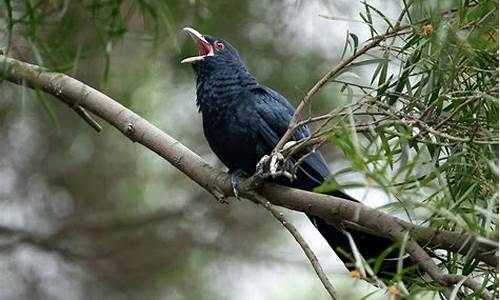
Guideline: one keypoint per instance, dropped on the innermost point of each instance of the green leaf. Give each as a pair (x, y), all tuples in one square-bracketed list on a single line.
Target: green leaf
[(369, 62), (369, 20), (355, 41), (346, 44)]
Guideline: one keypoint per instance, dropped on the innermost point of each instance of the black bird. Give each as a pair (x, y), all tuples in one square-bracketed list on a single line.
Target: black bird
[(244, 120)]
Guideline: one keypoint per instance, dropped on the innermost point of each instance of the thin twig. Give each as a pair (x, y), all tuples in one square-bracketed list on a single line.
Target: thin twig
[(471, 284), (326, 78), (424, 260), (457, 109), (87, 118), (303, 244)]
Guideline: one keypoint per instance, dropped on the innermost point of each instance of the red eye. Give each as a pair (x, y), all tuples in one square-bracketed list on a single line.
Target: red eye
[(219, 45)]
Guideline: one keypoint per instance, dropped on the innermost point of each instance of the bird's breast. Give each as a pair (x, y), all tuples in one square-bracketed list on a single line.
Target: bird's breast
[(232, 137)]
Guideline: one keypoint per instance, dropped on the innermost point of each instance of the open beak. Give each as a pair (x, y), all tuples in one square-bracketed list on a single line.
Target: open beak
[(204, 47)]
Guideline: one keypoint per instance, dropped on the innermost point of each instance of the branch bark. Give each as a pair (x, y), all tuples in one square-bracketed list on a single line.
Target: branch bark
[(332, 209)]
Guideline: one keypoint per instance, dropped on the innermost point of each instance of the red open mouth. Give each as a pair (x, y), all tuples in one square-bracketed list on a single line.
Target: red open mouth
[(204, 47)]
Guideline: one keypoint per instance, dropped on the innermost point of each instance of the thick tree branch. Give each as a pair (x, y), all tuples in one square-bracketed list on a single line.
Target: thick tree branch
[(337, 210), (332, 209)]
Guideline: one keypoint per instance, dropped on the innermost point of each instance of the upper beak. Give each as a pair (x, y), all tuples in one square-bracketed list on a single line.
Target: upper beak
[(204, 47)]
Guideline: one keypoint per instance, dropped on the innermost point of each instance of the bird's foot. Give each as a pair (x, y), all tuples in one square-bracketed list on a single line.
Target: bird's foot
[(274, 165), (236, 178), (260, 169)]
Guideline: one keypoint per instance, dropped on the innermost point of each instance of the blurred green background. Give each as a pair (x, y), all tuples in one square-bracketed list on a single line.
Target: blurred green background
[(98, 217)]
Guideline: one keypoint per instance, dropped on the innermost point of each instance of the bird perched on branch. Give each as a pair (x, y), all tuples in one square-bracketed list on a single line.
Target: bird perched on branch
[(244, 120)]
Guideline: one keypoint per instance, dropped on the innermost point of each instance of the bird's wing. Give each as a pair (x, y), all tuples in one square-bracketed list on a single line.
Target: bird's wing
[(275, 113)]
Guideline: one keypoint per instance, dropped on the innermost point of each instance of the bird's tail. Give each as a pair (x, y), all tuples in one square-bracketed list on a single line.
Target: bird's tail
[(369, 246)]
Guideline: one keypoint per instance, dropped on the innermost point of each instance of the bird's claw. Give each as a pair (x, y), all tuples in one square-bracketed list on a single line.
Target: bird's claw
[(235, 181), (277, 161), (274, 165), (260, 169)]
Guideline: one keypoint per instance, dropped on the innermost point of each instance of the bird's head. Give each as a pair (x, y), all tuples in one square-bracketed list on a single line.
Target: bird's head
[(212, 52)]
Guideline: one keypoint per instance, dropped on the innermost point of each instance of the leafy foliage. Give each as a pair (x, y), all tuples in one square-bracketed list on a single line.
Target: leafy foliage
[(426, 128), (46, 25)]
